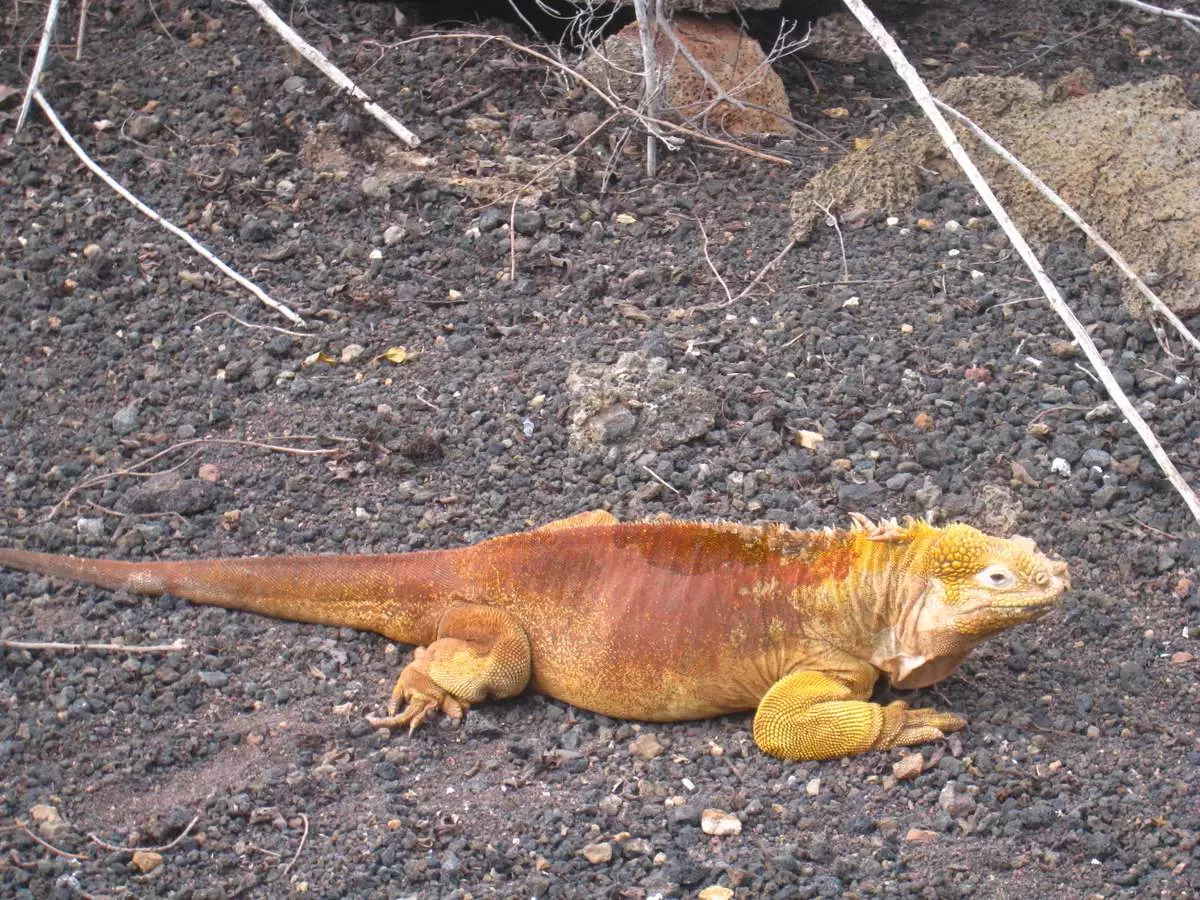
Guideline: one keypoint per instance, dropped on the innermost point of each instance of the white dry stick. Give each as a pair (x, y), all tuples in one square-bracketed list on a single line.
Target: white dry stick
[(1069, 211), (925, 99), (39, 63), (1189, 18), (145, 210), (332, 72), (59, 646), (651, 75)]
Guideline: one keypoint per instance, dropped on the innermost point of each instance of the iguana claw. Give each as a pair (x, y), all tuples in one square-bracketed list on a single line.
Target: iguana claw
[(421, 695)]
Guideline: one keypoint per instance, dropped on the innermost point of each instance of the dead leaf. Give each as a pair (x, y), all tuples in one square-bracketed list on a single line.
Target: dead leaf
[(625, 219), (836, 112), (399, 355), (319, 357)]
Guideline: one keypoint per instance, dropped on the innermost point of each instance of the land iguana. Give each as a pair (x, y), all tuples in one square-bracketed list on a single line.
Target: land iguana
[(658, 620)]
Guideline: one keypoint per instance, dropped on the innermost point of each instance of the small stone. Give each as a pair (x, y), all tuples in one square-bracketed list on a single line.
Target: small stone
[(1060, 466), (923, 422), (91, 251), (978, 375), (813, 787), (1064, 349), (953, 226), (352, 352), (809, 440), (598, 853), (393, 235), (926, 224), (254, 230), (126, 419), (1094, 456), (645, 746), (90, 529), (375, 188), (905, 328), (851, 303), (1181, 658), (955, 801), (146, 860), (1093, 732), (719, 823), (920, 836), (1182, 588), (892, 221), (908, 767), (715, 892), (285, 189), (142, 128), (636, 847)]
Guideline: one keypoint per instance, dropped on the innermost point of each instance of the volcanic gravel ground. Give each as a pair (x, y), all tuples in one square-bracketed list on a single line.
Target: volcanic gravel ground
[(941, 383)]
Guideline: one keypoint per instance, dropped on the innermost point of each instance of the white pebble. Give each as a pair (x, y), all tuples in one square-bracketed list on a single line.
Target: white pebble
[(1061, 467), (952, 226)]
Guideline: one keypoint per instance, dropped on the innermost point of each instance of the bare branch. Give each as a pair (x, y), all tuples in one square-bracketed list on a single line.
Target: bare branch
[(149, 213), (924, 98), (59, 646), (1067, 210), (332, 72)]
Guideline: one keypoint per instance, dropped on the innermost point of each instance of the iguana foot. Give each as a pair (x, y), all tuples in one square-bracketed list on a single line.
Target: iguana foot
[(421, 696), (916, 726), (480, 652)]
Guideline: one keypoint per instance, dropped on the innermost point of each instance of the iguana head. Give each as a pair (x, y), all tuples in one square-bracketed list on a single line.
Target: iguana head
[(966, 585)]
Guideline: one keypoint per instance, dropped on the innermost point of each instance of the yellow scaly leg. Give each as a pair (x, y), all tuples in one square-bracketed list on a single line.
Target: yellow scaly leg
[(814, 715), (480, 652)]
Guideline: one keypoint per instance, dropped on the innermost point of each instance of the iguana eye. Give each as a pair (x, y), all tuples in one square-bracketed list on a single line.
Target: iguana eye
[(997, 576)]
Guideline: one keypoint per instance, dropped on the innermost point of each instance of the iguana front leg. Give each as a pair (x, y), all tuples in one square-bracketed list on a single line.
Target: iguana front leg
[(480, 652), (810, 714)]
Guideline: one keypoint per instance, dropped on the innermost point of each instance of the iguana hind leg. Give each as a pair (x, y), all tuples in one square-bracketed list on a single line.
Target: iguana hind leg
[(815, 715), (480, 652)]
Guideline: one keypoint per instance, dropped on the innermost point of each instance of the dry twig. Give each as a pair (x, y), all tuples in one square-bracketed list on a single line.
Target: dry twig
[(925, 100), (39, 63), (133, 470), (145, 210), (332, 72), (118, 849), (63, 853), (300, 849), (59, 646), (229, 315), (1190, 19), (1069, 211)]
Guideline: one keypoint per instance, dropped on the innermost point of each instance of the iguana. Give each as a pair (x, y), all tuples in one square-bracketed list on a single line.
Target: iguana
[(658, 620)]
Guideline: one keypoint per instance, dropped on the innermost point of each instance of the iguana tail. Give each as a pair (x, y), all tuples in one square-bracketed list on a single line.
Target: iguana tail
[(399, 595)]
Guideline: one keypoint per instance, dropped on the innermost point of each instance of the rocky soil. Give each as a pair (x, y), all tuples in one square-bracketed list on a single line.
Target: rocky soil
[(914, 346)]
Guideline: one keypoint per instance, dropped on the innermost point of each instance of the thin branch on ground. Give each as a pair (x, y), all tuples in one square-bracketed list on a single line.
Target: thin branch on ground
[(39, 63), (670, 487), (61, 647), (229, 315), (145, 210), (1066, 209), (299, 849), (831, 220), (469, 101), (119, 849), (925, 100), (134, 469), (711, 264), (1187, 17), (332, 72), (771, 264), (57, 852), (81, 29)]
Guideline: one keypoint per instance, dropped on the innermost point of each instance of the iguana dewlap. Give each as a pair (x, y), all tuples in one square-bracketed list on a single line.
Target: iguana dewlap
[(662, 620)]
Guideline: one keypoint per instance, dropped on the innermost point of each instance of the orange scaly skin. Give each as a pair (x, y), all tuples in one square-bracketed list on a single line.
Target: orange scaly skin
[(661, 621)]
